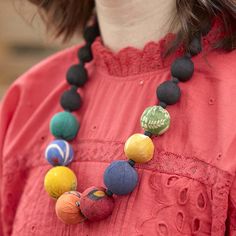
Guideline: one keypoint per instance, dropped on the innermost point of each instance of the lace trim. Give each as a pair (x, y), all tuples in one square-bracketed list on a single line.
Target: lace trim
[(217, 181), (131, 60)]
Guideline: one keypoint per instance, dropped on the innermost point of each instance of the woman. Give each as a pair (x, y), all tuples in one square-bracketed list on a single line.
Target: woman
[(180, 177)]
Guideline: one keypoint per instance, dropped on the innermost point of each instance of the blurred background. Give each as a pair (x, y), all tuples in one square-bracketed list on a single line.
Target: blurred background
[(23, 40)]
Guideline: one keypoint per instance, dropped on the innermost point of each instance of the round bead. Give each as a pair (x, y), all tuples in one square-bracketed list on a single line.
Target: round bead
[(64, 125), (85, 54), (91, 32), (68, 208), (195, 46), (139, 148), (59, 153), (168, 92), (77, 75), (120, 178), (59, 180), (155, 119), (71, 100), (182, 68), (95, 204)]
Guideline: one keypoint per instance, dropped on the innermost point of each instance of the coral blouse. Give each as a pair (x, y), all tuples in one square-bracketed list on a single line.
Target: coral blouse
[(188, 188)]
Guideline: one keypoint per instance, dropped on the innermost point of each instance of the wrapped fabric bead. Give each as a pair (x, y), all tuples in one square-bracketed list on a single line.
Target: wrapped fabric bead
[(168, 92), (139, 148), (91, 32), (95, 204), (182, 68), (195, 46), (155, 119), (77, 75), (85, 54), (59, 153), (120, 177), (71, 100), (64, 125), (68, 208), (59, 180)]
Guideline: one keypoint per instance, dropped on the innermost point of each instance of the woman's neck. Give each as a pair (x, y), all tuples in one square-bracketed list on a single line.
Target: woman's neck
[(133, 23)]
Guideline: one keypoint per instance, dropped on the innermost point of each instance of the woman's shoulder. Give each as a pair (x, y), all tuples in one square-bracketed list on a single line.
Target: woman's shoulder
[(41, 78)]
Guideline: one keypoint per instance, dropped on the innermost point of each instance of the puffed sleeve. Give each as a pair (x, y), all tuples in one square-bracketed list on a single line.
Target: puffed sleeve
[(8, 106)]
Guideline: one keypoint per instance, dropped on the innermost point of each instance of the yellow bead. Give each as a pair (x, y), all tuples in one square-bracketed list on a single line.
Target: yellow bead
[(59, 180), (139, 148)]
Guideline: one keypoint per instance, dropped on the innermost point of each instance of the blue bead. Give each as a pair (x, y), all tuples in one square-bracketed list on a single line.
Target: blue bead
[(120, 177), (59, 153), (64, 125)]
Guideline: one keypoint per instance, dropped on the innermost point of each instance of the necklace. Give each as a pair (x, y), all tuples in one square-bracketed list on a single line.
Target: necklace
[(120, 177)]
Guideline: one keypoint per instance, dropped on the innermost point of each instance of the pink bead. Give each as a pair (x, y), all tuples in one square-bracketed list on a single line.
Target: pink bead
[(95, 204)]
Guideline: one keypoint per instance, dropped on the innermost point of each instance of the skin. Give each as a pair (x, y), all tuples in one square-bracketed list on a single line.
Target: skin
[(133, 23)]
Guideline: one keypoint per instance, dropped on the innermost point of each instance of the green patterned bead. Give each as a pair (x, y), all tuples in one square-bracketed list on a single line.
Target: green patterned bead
[(64, 125), (155, 119)]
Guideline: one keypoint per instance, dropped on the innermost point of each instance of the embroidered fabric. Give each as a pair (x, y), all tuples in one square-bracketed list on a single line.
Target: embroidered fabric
[(179, 185), (130, 60)]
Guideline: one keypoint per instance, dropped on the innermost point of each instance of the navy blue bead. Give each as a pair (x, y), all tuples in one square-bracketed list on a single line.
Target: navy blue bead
[(195, 46), (147, 133), (120, 177), (168, 92), (71, 100), (131, 162), (91, 32), (77, 75), (182, 68), (85, 54)]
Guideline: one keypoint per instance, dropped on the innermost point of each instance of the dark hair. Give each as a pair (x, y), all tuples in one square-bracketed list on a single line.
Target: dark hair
[(71, 16)]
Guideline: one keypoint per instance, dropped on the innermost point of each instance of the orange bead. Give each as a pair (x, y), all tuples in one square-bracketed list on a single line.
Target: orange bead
[(68, 208), (139, 148)]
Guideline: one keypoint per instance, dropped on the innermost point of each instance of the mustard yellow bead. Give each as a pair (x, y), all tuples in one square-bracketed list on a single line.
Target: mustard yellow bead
[(139, 148), (59, 180)]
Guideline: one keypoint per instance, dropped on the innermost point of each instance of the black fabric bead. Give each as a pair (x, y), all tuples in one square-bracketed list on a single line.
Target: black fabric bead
[(77, 75), (147, 133), (182, 68), (91, 32), (168, 92), (175, 80), (131, 162), (162, 104), (195, 46), (109, 192), (85, 54), (71, 100)]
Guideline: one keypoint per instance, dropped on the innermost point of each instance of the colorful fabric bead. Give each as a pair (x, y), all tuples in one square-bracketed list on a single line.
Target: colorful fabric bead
[(155, 119), (68, 208), (64, 125), (168, 92), (59, 180), (182, 68), (59, 153), (95, 204), (120, 177), (139, 148)]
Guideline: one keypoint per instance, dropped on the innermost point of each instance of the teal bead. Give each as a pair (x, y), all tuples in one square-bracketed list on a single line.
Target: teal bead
[(155, 119), (64, 125)]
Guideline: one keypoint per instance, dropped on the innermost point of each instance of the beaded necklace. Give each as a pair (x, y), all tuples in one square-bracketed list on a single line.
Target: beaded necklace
[(120, 177)]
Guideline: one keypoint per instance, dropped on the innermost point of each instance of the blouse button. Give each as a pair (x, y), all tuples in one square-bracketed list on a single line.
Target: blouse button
[(211, 101), (141, 82), (94, 127)]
